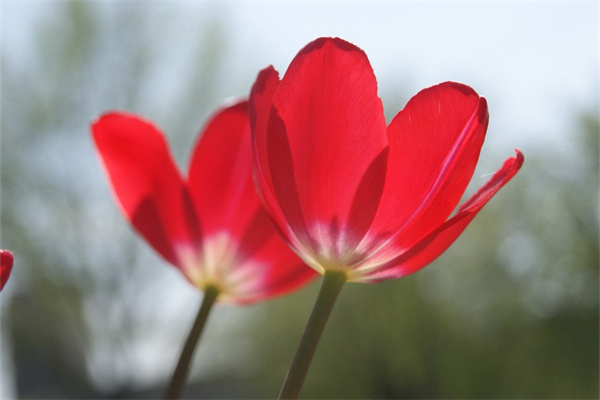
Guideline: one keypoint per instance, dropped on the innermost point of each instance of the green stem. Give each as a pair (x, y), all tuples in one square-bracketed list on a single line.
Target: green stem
[(183, 365), (332, 285)]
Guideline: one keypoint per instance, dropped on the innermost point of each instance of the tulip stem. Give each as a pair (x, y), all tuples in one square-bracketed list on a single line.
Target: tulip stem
[(180, 374), (332, 285)]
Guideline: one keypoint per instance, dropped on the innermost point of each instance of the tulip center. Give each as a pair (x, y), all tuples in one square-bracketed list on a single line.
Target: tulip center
[(332, 249), (219, 264)]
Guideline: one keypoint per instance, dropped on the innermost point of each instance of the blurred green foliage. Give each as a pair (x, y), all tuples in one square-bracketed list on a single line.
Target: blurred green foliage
[(510, 311)]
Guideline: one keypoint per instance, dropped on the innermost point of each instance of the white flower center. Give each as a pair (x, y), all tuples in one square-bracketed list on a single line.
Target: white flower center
[(221, 265)]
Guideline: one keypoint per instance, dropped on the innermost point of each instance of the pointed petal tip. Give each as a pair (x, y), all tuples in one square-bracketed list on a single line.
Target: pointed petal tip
[(264, 85), (509, 169), (520, 158), (510, 166), (265, 73), (268, 69)]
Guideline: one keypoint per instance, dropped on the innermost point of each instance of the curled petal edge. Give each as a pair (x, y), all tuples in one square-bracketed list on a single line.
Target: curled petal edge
[(438, 241)]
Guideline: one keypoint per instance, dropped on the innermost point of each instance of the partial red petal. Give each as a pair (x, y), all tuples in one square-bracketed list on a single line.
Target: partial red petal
[(435, 143), (220, 173), (432, 246), (221, 184), (326, 132), (259, 109), (146, 182), (6, 264)]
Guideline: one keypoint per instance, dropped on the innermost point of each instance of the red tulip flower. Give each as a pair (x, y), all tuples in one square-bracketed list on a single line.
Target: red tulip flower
[(348, 192), (357, 199), (6, 264), (211, 226)]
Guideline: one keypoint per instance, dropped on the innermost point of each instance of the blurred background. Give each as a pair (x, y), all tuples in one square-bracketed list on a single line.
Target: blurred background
[(90, 311)]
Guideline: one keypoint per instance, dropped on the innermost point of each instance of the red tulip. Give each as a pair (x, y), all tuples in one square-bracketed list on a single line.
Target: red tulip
[(211, 226), (349, 193), (6, 264)]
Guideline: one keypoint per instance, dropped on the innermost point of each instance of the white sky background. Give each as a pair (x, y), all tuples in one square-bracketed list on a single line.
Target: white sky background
[(535, 62)]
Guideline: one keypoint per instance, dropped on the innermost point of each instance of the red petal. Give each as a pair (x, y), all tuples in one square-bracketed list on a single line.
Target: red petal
[(259, 109), (434, 147), (146, 182), (6, 264), (220, 173), (432, 246), (326, 132)]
